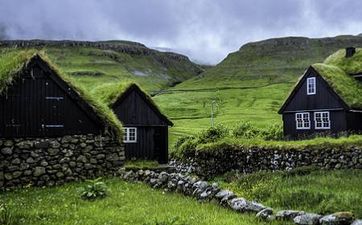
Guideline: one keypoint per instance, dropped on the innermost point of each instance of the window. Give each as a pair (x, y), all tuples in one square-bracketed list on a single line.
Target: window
[(302, 121), (130, 135), (321, 120), (311, 86)]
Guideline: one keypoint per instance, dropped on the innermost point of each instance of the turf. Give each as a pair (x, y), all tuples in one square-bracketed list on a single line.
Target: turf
[(306, 189), (127, 204)]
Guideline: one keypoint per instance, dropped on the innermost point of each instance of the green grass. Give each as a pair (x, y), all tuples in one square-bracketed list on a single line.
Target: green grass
[(313, 191), (127, 204)]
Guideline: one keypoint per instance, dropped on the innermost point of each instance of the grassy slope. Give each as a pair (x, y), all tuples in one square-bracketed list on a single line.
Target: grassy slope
[(127, 204), (250, 84), (319, 191)]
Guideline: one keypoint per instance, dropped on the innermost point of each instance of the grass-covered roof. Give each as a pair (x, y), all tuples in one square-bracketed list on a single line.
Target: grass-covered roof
[(346, 86), (351, 65), (13, 62), (111, 92)]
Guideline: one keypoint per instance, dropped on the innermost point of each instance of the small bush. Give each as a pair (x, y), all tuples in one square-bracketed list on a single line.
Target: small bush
[(182, 140), (274, 132), (96, 189), (213, 134), (245, 130)]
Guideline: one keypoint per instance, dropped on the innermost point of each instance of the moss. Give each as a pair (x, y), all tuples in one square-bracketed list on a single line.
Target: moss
[(351, 65), (348, 88), (12, 63)]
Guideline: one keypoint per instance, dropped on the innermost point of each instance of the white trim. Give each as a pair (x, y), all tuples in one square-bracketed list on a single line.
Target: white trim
[(311, 86), (127, 137), (323, 121), (302, 121)]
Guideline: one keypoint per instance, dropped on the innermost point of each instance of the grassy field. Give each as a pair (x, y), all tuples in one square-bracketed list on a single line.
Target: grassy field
[(314, 191), (127, 204)]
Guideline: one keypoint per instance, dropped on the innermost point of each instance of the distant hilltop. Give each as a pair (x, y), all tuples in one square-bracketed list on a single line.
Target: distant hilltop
[(129, 47)]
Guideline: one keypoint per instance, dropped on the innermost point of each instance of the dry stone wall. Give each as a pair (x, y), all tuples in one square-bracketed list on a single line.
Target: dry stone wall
[(53, 161)]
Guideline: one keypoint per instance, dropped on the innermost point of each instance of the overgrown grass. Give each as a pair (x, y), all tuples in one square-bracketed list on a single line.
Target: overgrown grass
[(126, 204), (301, 189)]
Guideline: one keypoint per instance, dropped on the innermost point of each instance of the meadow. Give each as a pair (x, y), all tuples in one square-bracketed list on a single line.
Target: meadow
[(127, 203)]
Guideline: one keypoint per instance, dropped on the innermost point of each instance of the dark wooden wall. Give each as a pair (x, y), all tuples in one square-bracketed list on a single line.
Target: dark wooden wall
[(152, 130), (37, 107), (323, 99), (338, 124), (354, 121)]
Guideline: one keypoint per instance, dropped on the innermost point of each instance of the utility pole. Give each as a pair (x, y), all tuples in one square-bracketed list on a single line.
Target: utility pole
[(212, 112)]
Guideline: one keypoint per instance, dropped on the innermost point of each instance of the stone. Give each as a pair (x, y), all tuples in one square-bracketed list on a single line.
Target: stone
[(100, 156), (7, 151), (44, 163), (8, 143), (53, 151), (265, 213), (357, 222), (82, 159), (24, 145), (27, 172), (238, 204), (17, 174), (224, 194), (307, 219), (2, 175), (24, 166), (254, 207), (55, 144), (42, 144), (38, 171), (288, 214), (339, 218), (30, 160), (8, 176), (59, 174), (15, 161)]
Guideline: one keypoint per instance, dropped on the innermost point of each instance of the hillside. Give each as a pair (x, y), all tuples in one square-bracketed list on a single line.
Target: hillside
[(248, 85), (96, 63)]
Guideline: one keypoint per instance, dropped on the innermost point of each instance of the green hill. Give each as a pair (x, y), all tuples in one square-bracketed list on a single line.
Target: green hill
[(248, 85), (96, 63)]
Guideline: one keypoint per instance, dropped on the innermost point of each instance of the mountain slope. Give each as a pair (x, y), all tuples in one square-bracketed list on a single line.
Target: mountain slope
[(248, 85), (96, 63)]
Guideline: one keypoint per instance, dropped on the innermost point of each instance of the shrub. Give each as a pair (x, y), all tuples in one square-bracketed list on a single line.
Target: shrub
[(245, 130), (95, 189), (182, 140), (213, 134), (274, 132)]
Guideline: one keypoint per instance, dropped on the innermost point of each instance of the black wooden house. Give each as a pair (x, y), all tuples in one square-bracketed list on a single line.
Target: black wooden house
[(327, 98), (38, 101), (145, 127)]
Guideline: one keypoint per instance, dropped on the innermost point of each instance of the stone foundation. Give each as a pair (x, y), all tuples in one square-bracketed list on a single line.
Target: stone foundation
[(53, 161)]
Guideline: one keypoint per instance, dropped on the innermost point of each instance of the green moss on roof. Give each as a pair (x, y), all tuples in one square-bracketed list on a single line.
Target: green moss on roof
[(12, 63), (110, 93), (347, 87), (351, 65)]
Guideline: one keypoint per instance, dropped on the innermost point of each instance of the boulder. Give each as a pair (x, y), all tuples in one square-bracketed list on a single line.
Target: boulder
[(265, 213), (339, 218), (254, 207), (357, 222), (307, 219), (288, 214), (38, 171), (239, 204)]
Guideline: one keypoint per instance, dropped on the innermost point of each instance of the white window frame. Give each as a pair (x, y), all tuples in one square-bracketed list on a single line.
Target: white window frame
[(127, 137), (302, 120), (325, 120), (311, 86)]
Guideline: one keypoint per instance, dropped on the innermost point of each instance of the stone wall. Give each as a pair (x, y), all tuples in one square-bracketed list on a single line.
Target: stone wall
[(210, 163), (53, 161)]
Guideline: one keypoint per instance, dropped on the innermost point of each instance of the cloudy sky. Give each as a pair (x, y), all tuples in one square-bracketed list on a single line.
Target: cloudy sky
[(205, 30)]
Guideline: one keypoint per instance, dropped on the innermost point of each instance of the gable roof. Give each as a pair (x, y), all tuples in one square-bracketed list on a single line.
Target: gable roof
[(13, 63), (336, 72), (114, 94)]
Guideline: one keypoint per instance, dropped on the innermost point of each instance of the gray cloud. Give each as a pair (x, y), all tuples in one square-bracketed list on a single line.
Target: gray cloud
[(206, 30)]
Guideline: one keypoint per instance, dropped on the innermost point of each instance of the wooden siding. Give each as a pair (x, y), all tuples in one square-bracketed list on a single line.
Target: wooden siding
[(337, 118), (323, 99), (354, 121), (36, 106), (135, 110), (152, 144)]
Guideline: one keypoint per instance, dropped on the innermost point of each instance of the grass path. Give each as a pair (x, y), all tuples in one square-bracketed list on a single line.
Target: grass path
[(127, 204)]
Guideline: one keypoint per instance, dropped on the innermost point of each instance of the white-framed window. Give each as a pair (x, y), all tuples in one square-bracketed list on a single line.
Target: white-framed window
[(130, 135), (311, 86), (302, 121), (322, 120)]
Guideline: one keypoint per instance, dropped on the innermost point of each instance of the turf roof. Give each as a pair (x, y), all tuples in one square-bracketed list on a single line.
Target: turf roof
[(12, 63), (351, 65), (346, 86), (110, 93)]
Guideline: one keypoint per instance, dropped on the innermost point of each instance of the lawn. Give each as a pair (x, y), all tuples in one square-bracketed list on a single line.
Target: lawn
[(127, 204), (313, 191)]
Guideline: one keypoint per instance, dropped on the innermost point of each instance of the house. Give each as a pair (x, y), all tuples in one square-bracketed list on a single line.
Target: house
[(51, 131), (327, 98), (145, 127)]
